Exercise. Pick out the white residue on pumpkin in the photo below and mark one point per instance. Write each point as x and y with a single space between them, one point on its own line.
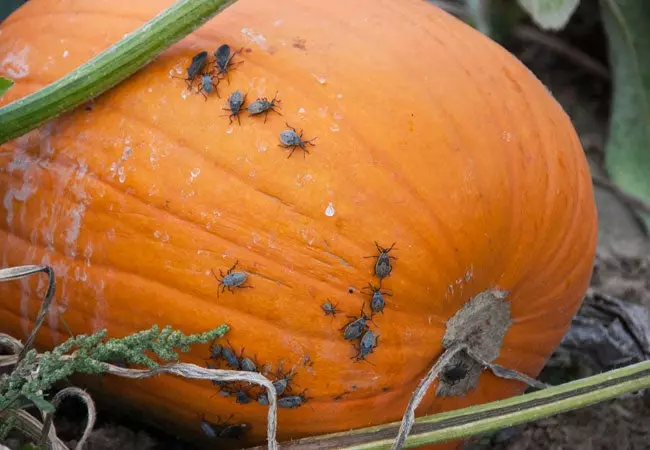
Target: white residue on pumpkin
65 53
320 78
339 96
337 115
335 127
261 146
187 195
76 213
506 136
110 235
184 94
117 168
278 22
330 211
153 190
15 63
322 112
251 174
202 252
255 237
301 111
229 130
193 174
161 236
301 180
307 235
258 38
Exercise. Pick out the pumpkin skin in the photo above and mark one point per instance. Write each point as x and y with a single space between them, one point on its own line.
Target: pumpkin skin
429 135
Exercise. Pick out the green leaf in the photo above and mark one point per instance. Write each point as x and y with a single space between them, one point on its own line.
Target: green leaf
550 14
5 84
41 403
627 152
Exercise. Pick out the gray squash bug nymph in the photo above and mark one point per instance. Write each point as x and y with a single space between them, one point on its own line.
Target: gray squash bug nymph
223 430
383 266
454 374
215 350
293 401
263 399
366 346
356 328
231 279
207 85
263 105
248 365
292 140
223 60
195 67
281 385
231 358
329 309
242 398
235 103
377 302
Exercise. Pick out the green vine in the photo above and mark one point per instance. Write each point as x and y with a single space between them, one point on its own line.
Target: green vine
108 68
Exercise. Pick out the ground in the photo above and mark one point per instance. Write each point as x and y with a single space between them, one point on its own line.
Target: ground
622 268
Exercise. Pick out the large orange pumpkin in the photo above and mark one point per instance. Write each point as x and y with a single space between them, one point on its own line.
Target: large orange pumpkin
428 135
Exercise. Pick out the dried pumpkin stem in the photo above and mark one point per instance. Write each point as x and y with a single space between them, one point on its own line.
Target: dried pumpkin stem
16 273
107 69
90 422
420 392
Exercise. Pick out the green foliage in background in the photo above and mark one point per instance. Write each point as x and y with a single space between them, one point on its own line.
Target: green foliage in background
627 153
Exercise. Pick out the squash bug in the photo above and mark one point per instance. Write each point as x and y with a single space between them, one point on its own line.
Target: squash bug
329 309
235 103
207 86
215 350
356 328
247 364
383 266
263 105
195 67
377 302
454 374
293 401
263 399
223 430
223 61
242 397
281 385
367 345
291 139
230 357
231 279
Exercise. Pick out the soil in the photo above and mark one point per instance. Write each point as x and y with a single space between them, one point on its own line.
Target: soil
621 270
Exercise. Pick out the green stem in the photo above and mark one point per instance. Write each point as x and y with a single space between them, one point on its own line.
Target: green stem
107 69
492 416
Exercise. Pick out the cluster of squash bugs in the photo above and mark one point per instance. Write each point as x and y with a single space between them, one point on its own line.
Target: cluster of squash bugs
358 328
210 75
243 392
201 69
